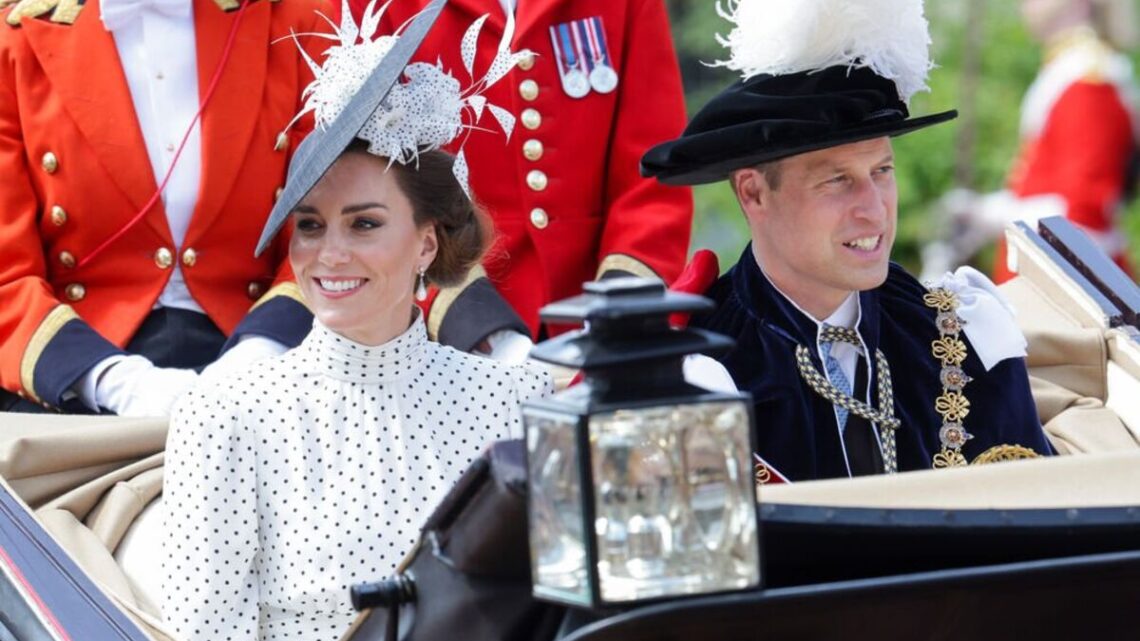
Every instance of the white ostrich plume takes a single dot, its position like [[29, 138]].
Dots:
[[423, 112], [790, 36]]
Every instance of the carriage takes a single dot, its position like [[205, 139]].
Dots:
[[1042, 547]]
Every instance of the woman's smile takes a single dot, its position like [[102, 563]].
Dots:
[[339, 287]]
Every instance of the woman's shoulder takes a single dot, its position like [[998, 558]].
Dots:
[[460, 369], [243, 392]]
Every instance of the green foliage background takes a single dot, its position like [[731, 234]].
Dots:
[[925, 160]]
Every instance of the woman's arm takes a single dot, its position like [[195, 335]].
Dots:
[[210, 498]]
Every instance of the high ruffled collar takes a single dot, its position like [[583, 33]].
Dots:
[[346, 360]]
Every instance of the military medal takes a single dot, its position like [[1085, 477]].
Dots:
[[575, 83], [568, 55], [603, 78]]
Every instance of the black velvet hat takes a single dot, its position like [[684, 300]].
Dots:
[[816, 74], [768, 117]]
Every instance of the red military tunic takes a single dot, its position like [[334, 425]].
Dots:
[[1079, 136], [564, 191], [76, 170]]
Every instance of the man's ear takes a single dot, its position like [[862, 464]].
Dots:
[[751, 189]]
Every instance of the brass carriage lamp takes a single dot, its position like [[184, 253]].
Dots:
[[639, 484]]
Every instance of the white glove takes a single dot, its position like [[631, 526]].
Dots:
[[707, 372], [134, 386], [240, 357], [987, 315], [509, 346]]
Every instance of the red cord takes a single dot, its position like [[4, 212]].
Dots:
[[185, 137]]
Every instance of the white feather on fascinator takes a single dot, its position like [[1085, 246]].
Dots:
[[780, 37], [424, 112]]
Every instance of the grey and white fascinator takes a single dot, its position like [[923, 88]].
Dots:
[[427, 111], [366, 88]]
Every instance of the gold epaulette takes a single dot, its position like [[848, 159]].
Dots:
[[62, 11], [66, 11]]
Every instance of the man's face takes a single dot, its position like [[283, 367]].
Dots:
[[827, 229], [1044, 18]]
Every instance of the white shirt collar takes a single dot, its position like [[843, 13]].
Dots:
[[848, 314], [119, 14]]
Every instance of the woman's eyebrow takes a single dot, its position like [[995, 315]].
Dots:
[[353, 209]]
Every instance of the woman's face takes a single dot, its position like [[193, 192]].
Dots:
[[356, 250]]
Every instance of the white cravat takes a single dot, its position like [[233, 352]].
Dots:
[[159, 55], [117, 14]]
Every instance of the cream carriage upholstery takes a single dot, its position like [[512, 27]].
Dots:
[[1085, 374], [87, 481]]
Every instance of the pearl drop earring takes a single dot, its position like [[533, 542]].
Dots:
[[421, 286]]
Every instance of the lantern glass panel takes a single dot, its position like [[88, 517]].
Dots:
[[557, 531], [674, 500]]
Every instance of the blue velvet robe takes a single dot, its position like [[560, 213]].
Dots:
[[796, 428]]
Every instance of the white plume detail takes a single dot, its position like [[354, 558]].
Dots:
[[780, 37], [425, 110]]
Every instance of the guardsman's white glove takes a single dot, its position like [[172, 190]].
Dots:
[[134, 386], [240, 357], [509, 346]]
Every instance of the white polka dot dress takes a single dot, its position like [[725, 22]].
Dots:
[[314, 471]]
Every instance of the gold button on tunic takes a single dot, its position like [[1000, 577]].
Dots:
[[532, 149], [539, 218], [163, 257], [531, 119], [536, 180], [50, 163]]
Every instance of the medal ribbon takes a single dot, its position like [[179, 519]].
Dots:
[[597, 42], [582, 35], [569, 51]]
